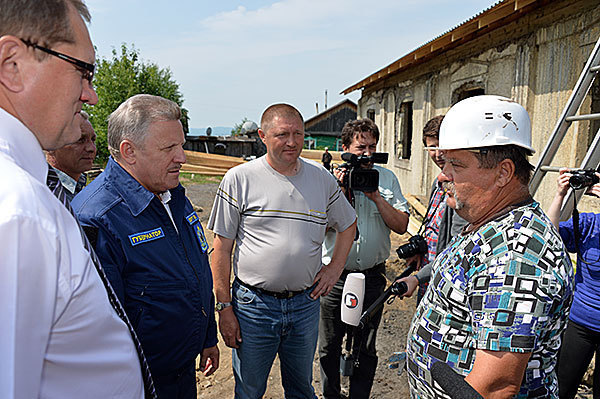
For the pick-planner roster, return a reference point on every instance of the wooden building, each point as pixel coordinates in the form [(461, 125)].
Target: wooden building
[(234, 146), (532, 51), (325, 128)]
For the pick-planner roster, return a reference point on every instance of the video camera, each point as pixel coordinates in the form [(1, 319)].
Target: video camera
[(359, 178), (583, 178)]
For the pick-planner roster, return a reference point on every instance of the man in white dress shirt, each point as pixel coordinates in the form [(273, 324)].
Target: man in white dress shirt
[(60, 336)]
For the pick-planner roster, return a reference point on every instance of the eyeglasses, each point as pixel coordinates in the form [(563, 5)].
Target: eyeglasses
[(86, 69)]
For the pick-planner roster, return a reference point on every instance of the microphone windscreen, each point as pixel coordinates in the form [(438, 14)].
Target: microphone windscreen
[(453, 383), (352, 298)]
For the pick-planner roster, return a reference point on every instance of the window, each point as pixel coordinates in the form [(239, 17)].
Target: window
[(404, 130), (467, 92), (371, 114)]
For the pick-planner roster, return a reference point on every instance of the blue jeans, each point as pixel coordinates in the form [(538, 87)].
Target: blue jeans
[(271, 326)]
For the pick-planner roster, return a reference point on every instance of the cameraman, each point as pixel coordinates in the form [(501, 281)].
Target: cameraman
[(582, 336), (378, 212)]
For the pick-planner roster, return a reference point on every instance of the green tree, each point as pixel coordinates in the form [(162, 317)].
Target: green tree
[(237, 128), (125, 75)]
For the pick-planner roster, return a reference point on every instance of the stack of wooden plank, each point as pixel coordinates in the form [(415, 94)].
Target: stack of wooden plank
[(209, 164), (217, 165)]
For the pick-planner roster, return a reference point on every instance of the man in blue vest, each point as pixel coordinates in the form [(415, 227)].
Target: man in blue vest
[(151, 243)]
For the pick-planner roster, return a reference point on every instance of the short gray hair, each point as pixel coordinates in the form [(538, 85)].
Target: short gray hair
[(43, 22), (131, 120)]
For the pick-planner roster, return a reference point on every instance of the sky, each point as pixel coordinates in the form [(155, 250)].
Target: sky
[(234, 58)]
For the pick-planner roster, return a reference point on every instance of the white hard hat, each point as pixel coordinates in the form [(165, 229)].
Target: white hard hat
[(485, 121)]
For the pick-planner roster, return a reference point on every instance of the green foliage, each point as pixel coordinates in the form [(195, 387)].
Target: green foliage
[(237, 128), (125, 75)]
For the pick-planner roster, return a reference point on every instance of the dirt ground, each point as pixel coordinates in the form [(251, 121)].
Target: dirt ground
[(391, 337)]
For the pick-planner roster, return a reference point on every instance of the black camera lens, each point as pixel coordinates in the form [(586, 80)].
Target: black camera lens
[(416, 245), (582, 179)]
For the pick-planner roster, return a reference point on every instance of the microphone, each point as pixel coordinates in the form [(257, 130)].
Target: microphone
[(352, 298), (453, 383)]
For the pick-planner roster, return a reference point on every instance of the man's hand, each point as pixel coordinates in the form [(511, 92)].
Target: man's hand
[(594, 189), (229, 328), (338, 173), (209, 360), (411, 283), (326, 279), (563, 182), (414, 259), (373, 195), (562, 188)]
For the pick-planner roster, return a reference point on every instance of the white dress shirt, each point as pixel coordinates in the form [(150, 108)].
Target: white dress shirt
[(59, 335)]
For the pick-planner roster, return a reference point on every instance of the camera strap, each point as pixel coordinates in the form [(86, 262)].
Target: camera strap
[(576, 230), (427, 219)]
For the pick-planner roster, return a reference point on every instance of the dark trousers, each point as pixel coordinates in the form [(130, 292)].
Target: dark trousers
[(578, 346), (178, 385), (331, 335)]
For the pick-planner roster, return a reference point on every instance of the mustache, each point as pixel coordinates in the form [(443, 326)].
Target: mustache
[(449, 187)]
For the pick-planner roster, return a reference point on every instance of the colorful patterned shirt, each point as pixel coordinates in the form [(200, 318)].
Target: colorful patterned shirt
[(505, 287)]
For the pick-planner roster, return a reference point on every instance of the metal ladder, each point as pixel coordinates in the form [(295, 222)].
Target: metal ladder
[(569, 115)]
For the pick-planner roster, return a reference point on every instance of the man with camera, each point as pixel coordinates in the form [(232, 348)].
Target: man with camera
[(378, 211), (500, 293), (580, 235)]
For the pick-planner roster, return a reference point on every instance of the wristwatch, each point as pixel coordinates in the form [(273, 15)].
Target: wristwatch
[(222, 305)]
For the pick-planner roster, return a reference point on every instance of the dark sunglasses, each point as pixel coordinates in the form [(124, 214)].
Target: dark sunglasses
[(86, 69)]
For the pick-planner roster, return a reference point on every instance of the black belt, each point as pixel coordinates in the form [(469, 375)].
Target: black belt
[(377, 269), (278, 295)]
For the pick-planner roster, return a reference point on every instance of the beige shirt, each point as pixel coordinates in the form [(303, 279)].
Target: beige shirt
[(278, 222)]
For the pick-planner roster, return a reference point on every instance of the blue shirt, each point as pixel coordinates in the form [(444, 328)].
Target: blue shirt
[(160, 274), (586, 299)]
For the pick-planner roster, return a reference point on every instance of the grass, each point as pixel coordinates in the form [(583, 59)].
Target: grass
[(197, 178)]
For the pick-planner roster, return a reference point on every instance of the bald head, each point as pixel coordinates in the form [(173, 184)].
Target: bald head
[(281, 111)]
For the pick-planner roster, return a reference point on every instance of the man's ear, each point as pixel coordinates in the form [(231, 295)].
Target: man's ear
[(128, 152), (12, 58), (261, 134), (505, 172)]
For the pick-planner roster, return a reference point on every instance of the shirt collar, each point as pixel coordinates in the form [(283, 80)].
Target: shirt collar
[(67, 181), (136, 196), (20, 144)]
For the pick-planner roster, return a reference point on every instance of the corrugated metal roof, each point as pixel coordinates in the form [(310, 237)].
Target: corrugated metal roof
[(497, 15)]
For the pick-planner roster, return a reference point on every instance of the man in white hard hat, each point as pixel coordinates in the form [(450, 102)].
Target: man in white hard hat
[(499, 295)]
